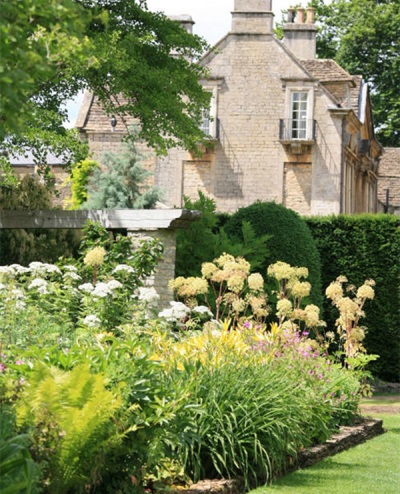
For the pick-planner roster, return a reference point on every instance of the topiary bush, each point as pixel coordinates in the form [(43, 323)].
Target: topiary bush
[(361, 247), (291, 240)]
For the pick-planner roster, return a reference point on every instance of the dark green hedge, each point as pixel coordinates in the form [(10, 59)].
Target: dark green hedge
[(291, 240), (362, 247)]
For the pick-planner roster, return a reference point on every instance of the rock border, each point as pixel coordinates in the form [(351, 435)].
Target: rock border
[(346, 438)]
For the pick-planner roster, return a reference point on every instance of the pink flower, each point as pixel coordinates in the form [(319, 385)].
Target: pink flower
[(2, 367)]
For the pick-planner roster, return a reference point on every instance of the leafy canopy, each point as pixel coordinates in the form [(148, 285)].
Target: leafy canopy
[(117, 49), (363, 36)]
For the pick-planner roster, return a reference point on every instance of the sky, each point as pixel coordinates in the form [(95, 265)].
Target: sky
[(212, 21), (212, 17)]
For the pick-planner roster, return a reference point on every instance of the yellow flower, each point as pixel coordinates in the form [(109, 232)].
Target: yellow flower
[(281, 271), (208, 269), (284, 307), (365, 291), (95, 256), (255, 282), (334, 291), (300, 289)]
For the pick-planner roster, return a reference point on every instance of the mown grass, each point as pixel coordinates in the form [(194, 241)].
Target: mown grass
[(372, 467)]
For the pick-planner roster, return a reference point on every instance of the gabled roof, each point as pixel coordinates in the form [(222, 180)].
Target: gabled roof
[(326, 70)]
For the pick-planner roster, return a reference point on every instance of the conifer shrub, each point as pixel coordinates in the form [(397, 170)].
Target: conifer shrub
[(291, 240), (360, 247)]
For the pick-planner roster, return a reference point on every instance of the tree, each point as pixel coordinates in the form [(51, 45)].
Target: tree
[(117, 49), (363, 36), (121, 182)]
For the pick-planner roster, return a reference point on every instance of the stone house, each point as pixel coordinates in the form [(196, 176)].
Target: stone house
[(389, 181), (284, 126)]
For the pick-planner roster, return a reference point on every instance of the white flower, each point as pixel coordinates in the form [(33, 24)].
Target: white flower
[(2, 286), (6, 272), (52, 268), (17, 294), (123, 267), (37, 283), (114, 284), (86, 287), (148, 295), (71, 275), (176, 312), (202, 309), (20, 269), (70, 267), (101, 290), (92, 321)]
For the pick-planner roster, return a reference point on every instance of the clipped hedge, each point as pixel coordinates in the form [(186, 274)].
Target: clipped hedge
[(362, 247), (291, 240)]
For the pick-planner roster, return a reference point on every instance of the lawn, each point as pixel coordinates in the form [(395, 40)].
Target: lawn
[(372, 467)]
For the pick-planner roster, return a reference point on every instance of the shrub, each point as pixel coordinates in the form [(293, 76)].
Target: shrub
[(80, 178), (361, 247), (291, 240), (23, 246), (206, 239)]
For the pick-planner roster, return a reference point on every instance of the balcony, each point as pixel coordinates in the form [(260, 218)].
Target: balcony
[(297, 136)]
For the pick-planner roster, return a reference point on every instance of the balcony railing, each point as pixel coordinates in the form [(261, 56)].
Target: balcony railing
[(297, 130)]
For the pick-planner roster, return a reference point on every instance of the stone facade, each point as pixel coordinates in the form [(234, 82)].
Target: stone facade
[(389, 181), (287, 127)]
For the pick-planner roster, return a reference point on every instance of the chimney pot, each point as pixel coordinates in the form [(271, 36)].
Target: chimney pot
[(300, 15), (290, 15), (310, 15)]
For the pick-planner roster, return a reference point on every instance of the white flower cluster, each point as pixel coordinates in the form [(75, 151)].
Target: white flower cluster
[(123, 268), (38, 284), (176, 313), (42, 268), (148, 295)]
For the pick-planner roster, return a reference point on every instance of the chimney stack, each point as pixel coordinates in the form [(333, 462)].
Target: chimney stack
[(300, 33), (252, 17)]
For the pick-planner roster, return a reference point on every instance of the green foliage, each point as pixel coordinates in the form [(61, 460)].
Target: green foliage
[(69, 415), (290, 239), (362, 247), (368, 45), (17, 469), (206, 239), (24, 246), (51, 50), (121, 182), (80, 179)]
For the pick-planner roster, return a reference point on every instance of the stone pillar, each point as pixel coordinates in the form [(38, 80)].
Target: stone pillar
[(165, 270)]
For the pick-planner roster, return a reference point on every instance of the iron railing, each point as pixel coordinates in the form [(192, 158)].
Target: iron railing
[(297, 130)]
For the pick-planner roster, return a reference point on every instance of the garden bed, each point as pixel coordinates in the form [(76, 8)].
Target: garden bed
[(346, 438)]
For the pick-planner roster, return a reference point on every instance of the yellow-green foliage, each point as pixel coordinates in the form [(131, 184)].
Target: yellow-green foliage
[(80, 178), (69, 414)]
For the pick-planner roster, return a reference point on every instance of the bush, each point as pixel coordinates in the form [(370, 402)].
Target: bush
[(22, 246), (291, 240), (360, 247), (206, 239)]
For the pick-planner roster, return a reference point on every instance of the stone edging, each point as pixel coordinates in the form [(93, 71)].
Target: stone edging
[(345, 439)]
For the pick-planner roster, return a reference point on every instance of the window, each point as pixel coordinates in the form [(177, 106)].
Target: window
[(299, 113), (209, 117)]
